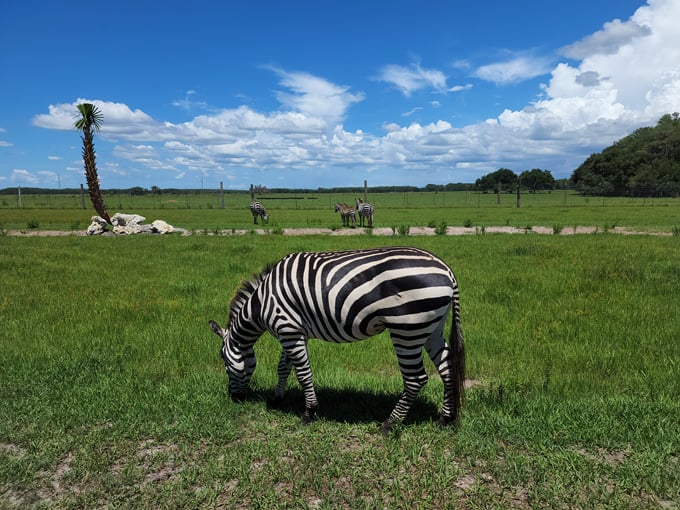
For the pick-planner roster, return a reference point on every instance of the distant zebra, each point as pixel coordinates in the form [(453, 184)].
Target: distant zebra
[(365, 211), (347, 214), (257, 209), (343, 297)]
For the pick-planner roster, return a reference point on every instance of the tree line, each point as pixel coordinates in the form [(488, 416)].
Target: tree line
[(645, 163)]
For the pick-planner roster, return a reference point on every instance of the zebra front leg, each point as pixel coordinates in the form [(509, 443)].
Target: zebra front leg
[(285, 366), (296, 352), (415, 377)]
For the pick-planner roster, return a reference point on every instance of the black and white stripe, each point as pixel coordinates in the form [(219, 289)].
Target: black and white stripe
[(257, 209), (365, 211), (348, 296), (347, 214)]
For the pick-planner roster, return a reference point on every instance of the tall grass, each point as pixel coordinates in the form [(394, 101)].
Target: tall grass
[(114, 394)]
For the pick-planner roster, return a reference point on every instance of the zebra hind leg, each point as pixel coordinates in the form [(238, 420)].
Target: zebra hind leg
[(415, 377), (440, 354), (284, 369)]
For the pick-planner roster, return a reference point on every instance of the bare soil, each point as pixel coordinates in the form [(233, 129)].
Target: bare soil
[(377, 231)]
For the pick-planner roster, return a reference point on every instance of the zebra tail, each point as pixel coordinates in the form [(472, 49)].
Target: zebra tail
[(457, 348)]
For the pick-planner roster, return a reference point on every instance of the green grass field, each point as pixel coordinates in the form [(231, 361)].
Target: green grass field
[(114, 394), (203, 211)]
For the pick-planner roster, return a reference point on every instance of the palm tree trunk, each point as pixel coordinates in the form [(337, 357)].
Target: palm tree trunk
[(91, 175)]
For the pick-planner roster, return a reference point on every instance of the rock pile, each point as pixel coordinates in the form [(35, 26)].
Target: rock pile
[(127, 224)]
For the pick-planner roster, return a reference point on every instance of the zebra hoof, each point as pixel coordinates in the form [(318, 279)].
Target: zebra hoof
[(445, 421), (386, 427), (238, 396), (309, 415)]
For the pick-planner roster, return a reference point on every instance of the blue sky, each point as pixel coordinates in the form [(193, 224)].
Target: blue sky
[(320, 94)]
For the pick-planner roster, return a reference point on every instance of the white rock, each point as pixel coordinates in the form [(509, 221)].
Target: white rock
[(133, 228), (97, 227), (120, 219), (161, 227)]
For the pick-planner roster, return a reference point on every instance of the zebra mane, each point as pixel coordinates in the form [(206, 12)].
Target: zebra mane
[(247, 288)]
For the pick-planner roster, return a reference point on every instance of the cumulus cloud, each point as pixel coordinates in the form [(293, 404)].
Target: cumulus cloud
[(607, 41), (629, 76), (21, 176), (315, 97), (622, 77), (118, 119)]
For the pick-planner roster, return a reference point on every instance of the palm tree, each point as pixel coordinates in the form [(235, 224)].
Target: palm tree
[(91, 118)]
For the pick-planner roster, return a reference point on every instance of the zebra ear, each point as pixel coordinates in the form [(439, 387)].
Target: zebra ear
[(217, 329)]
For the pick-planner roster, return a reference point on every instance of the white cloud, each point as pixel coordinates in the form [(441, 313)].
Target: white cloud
[(21, 176), (627, 77), (515, 70), (48, 177), (188, 103), (607, 41), (315, 97), (4, 143), (413, 78), (118, 118), (460, 88), (412, 111)]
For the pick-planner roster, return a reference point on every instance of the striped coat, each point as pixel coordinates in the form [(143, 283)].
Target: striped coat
[(347, 214), (345, 297), (365, 211), (257, 209)]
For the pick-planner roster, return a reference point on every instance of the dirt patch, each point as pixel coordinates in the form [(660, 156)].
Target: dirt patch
[(377, 231), (12, 449), (611, 458)]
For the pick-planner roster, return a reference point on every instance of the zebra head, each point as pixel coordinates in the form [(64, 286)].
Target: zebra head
[(265, 217), (238, 362)]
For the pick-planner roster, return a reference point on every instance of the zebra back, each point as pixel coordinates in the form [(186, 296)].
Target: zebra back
[(257, 209)]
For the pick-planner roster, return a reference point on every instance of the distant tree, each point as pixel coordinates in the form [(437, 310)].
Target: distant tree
[(434, 187), (644, 163), (89, 120), (536, 179), (503, 176)]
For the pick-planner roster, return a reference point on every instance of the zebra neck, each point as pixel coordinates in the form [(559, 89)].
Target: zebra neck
[(247, 326)]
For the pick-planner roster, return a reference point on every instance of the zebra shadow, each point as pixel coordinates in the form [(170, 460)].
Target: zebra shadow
[(350, 406)]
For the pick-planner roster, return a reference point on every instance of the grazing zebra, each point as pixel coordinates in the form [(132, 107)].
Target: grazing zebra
[(365, 212), (347, 214), (347, 296), (257, 209)]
